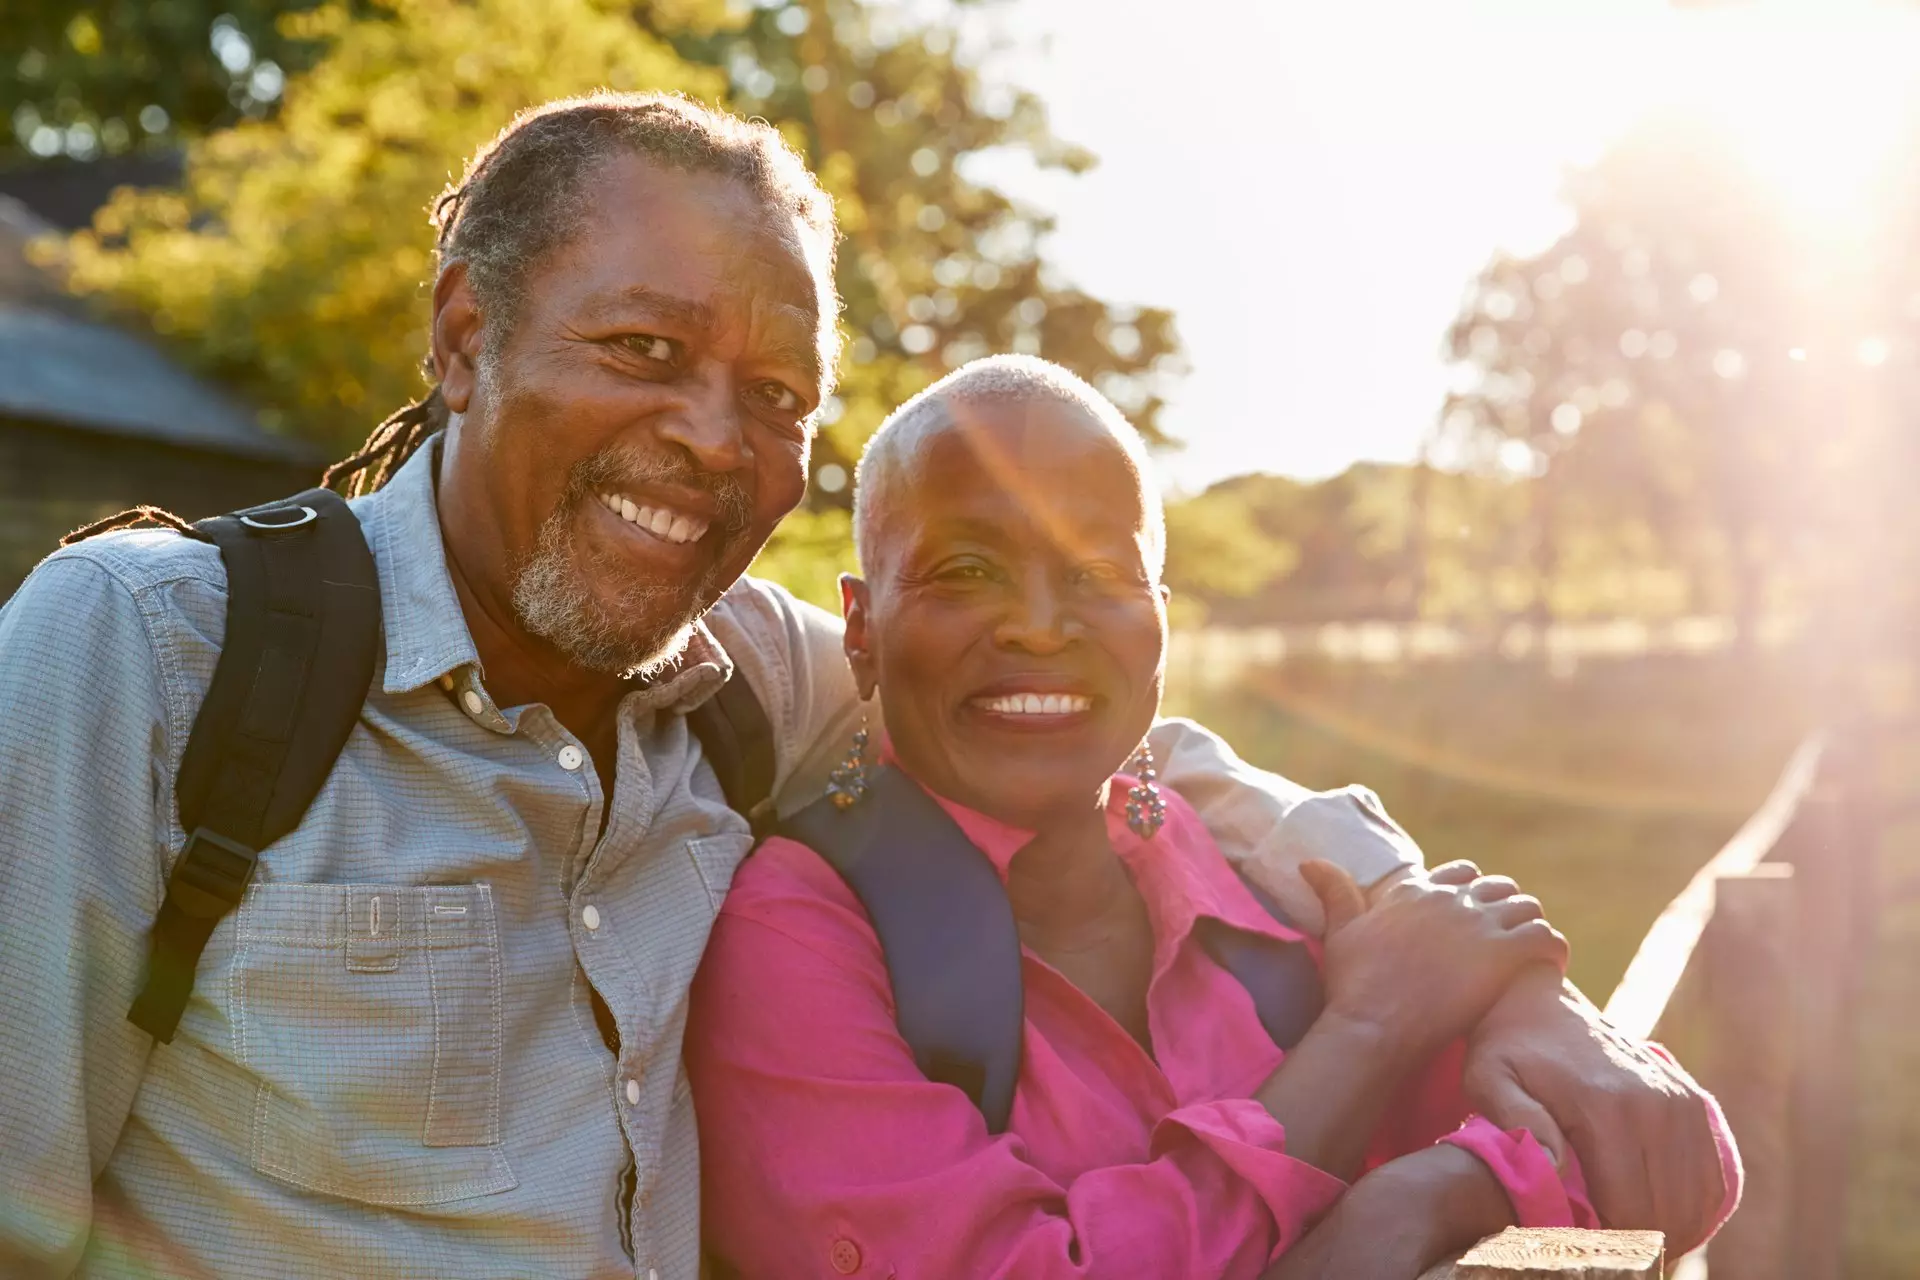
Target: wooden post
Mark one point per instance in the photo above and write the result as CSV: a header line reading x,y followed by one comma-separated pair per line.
x,y
1831,846
1745,1003
1559,1253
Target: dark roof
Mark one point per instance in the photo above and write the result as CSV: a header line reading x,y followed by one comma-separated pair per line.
x,y
59,366
62,369
65,193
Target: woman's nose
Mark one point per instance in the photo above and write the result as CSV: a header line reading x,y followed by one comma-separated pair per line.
x,y
1038,621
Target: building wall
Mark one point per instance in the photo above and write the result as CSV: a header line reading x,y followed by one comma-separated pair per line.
x,y
55,479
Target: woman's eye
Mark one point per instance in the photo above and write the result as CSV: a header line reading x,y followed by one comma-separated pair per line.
x,y
652,347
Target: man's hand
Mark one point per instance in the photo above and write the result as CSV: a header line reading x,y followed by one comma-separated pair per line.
x,y
1543,1059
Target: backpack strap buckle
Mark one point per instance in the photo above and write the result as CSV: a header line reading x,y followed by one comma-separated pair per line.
x,y
207,882
211,875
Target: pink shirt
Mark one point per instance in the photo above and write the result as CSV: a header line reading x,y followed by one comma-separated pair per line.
x,y
826,1153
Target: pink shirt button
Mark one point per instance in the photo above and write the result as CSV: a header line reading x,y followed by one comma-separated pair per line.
x,y
845,1256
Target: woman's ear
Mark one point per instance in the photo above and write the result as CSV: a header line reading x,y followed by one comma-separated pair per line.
x,y
855,607
456,337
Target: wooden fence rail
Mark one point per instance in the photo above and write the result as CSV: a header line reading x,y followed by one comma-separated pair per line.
x,y
1754,967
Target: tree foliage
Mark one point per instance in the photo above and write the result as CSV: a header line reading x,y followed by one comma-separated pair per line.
x,y
1702,372
92,79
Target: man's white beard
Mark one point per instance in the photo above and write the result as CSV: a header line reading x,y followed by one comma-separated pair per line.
x,y
642,634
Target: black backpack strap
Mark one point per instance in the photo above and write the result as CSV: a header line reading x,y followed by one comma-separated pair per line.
x,y
1285,983
952,949
303,633
737,739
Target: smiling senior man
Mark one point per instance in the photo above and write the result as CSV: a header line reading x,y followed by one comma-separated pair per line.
x,y
633,324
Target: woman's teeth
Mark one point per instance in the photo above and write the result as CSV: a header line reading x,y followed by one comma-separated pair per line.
x,y
1035,704
658,521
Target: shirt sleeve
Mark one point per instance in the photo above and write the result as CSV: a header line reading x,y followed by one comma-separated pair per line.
x,y
826,1152
790,652
84,802
1542,1195
1267,826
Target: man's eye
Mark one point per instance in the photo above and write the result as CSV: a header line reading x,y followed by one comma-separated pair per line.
x,y
783,398
652,347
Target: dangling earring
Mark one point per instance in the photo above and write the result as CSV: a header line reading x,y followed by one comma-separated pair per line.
x,y
1146,808
847,784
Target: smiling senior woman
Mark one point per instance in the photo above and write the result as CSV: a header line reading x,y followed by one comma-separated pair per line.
x,y
1013,624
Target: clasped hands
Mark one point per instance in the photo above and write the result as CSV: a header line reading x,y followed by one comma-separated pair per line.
x,y
1453,953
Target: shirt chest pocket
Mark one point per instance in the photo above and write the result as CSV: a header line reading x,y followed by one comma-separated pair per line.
x,y
371,1017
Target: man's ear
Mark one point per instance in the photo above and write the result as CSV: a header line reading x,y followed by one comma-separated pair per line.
x,y
457,337
855,607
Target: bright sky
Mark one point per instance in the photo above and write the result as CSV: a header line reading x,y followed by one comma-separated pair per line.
x,y
1310,184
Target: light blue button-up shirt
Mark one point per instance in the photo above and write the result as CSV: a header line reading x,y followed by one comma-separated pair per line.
x,y
390,1065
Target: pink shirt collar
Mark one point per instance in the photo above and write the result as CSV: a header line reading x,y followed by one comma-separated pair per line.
x,y
1179,889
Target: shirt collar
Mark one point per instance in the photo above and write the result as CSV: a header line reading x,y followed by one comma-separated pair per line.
x,y
426,629
1180,872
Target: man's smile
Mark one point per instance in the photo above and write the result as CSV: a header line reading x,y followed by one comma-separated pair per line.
x,y
665,522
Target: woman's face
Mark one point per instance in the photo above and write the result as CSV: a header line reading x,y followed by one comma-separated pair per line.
x,y
1012,625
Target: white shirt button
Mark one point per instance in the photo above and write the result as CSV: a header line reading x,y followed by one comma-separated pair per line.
x,y
652,1274
633,1093
590,917
571,757
473,702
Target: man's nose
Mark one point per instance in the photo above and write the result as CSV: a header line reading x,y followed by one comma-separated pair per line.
x,y
708,423
1038,619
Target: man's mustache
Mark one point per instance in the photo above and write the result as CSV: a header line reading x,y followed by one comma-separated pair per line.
x,y
618,468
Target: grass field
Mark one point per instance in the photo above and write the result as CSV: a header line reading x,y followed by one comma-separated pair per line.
x,y
1602,792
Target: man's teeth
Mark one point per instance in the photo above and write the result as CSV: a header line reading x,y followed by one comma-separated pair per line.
x,y
1036,704
655,520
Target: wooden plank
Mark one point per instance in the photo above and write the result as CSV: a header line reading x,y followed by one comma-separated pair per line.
x,y
1833,850
1559,1253
1746,1010
1637,1003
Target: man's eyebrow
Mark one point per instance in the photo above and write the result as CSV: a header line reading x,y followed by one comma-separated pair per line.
x,y
789,348
681,311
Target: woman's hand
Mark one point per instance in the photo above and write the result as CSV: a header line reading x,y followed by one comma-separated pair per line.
x,y
1401,1219
1425,962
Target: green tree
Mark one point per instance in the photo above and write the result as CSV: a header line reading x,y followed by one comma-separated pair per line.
x,y
83,80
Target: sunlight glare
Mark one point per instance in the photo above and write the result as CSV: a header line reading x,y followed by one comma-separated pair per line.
x,y
1815,106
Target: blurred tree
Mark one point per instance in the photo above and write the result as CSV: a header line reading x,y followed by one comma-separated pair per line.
x,y
86,80
1218,552
1702,369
